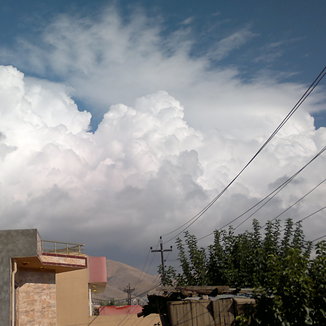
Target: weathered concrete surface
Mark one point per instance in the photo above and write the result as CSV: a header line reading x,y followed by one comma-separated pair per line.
x,y
13,243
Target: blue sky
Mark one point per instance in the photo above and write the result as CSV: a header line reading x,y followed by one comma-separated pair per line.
x,y
287,38
296,28
127,117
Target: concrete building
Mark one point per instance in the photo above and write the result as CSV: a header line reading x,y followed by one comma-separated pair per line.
x,y
46,283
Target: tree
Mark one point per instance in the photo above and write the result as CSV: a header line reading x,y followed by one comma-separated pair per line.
x,y
290,285
216,260
317,272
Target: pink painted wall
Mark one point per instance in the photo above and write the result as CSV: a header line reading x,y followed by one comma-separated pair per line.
x,y
97,269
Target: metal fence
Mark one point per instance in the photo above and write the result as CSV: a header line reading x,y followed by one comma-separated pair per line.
x,y
63,248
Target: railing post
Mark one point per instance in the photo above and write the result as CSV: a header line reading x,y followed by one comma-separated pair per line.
x,y
61,247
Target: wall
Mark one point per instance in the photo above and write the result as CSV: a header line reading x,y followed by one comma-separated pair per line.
x,y
35,298
13,243
205,312
72,298
201,312
97,270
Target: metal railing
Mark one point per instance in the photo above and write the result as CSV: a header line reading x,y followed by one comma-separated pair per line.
x,y
63,248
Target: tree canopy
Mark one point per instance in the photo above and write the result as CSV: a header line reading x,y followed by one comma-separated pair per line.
x,y
288,276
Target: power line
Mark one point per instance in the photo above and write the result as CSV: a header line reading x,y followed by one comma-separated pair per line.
x,y
317,239
300,199
274,218
302,219
192,220
147,264
142,271
317,211
296,202
269,196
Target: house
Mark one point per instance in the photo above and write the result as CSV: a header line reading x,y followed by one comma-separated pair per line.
x,y
46,282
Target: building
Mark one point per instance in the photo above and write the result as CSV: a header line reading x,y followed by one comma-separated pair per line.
x,y
199,305
46,283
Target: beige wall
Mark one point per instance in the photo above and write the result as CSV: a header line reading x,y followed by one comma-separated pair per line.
x,y
35,298
73,304
72,298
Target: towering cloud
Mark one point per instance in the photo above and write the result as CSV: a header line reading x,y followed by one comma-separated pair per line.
x,y
181,132
143,171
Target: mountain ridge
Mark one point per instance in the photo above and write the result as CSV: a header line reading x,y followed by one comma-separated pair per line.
x,y
120,277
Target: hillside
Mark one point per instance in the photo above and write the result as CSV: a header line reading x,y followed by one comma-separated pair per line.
x,y
120,275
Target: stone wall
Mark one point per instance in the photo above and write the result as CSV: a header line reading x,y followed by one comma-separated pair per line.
x,y
35,298
64,260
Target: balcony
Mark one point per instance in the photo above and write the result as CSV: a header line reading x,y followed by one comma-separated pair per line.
x,y
62,255
55,256
62,248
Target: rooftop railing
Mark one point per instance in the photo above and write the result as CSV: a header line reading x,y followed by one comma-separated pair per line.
x,y
63,248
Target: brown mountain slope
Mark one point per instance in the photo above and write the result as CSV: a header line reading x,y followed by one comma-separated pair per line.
x,y
120,275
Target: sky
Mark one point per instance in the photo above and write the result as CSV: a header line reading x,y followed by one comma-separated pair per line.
x,y
120,120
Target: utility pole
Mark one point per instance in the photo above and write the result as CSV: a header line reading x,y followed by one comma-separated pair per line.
x,y
161,250
129,290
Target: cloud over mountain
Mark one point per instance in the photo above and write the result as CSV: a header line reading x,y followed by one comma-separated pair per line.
x,y
175,131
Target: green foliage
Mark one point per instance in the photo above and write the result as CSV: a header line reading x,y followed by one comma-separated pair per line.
x,y
193,262
284,299
317,272
169,277
216,260
290,286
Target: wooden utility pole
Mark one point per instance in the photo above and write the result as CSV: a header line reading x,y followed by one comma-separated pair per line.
x,y
129,290
161,250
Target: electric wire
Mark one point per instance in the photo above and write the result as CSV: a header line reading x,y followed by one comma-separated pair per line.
x,y
300,199
308,216
296,202
292,111
265,200
300,220
199,214
317,239
247,218
144,266
192,220
148,263
317,211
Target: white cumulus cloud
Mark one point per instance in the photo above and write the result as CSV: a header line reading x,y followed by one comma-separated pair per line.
x,y
175,131
142,172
